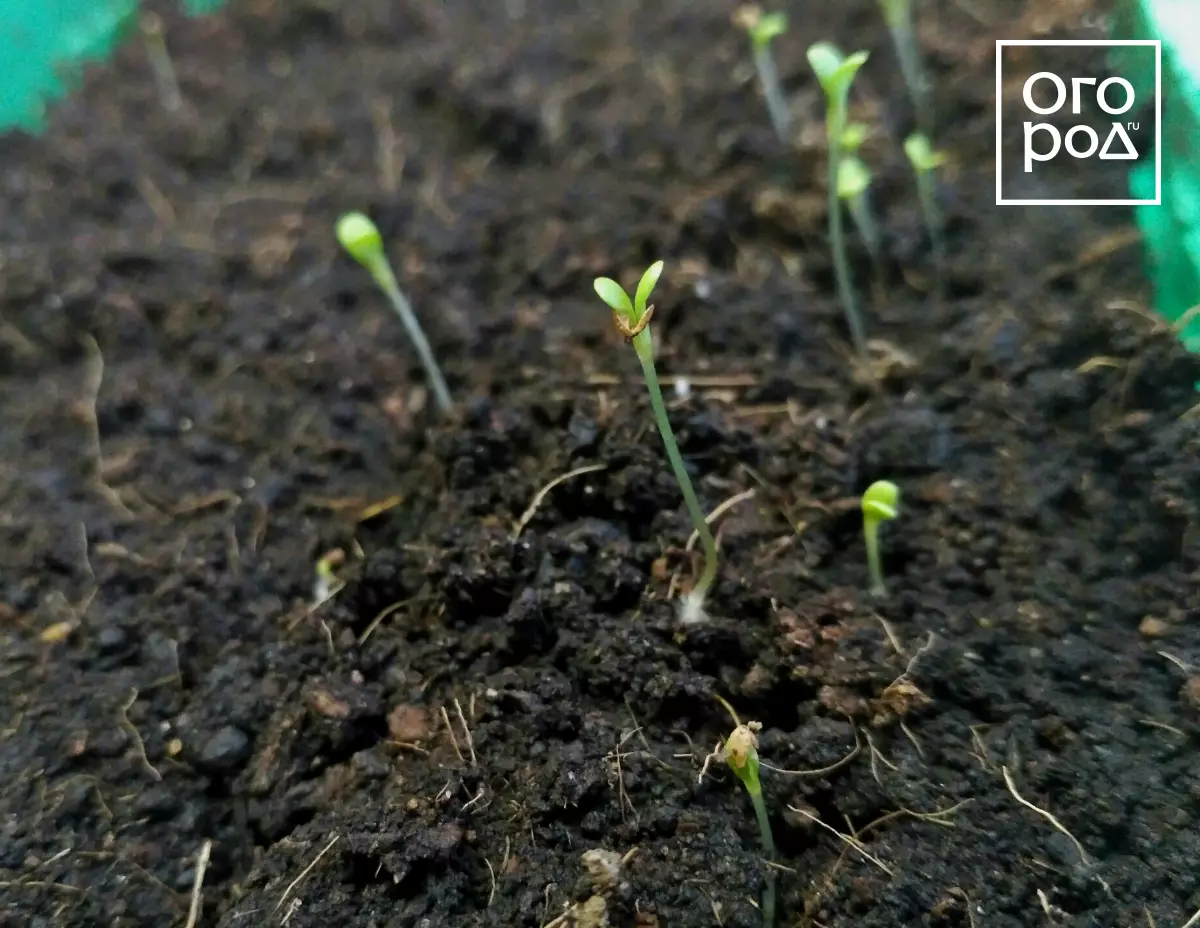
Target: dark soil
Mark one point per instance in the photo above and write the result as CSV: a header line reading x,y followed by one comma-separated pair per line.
x,y
165,679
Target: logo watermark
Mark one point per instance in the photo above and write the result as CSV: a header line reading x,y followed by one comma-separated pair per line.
x,y
1060,114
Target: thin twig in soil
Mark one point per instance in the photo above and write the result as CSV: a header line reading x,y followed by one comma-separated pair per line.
x,y
709,519
637,727
876,756
1192,922
491,881
719,511
87,411
890,634
389,165
450,731
466,731
198,884
139,744
1181,664
623,800
1008,781
540,496
1150,723
913,738
821,771
848,839
42,884
981,752
165,81
305,872
383,614
716,906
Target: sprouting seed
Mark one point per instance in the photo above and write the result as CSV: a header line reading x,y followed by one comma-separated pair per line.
x,y
360,237
880,503
632,319
854,185
925,162
836,72
899,17
762,28
740,753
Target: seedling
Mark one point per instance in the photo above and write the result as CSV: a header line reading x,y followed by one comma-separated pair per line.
x,y
854,184
632,319
836,72
899,17
740,754
853,137
762,28
880,503
362,241
925,162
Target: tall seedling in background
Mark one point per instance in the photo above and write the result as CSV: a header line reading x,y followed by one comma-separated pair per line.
x,y
899,17
925,162
362,241
762,29
632,319
854,186
836,74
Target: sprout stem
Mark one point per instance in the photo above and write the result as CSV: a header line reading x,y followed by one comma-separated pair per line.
x,y
386,280
841,263
899,17
836,72
925,162
632,319
762,28
874,564
933,220
768,76
768,843
645,353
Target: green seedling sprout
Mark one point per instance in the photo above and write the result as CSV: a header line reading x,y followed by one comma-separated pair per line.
x,y
360,237
762,28
925,162
899,17
740,754
880,503
836,72
854,183
853,137
632,319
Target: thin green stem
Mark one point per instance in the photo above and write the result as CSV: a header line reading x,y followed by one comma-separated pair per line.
x,y
645,353
874,564
933,221
777,108
754,788
837,237
386,279
911,69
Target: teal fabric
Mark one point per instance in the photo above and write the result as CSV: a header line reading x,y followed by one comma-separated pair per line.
x,y
1172,230
44,43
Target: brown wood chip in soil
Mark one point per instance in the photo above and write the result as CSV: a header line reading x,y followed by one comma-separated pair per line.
x,y
165,679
